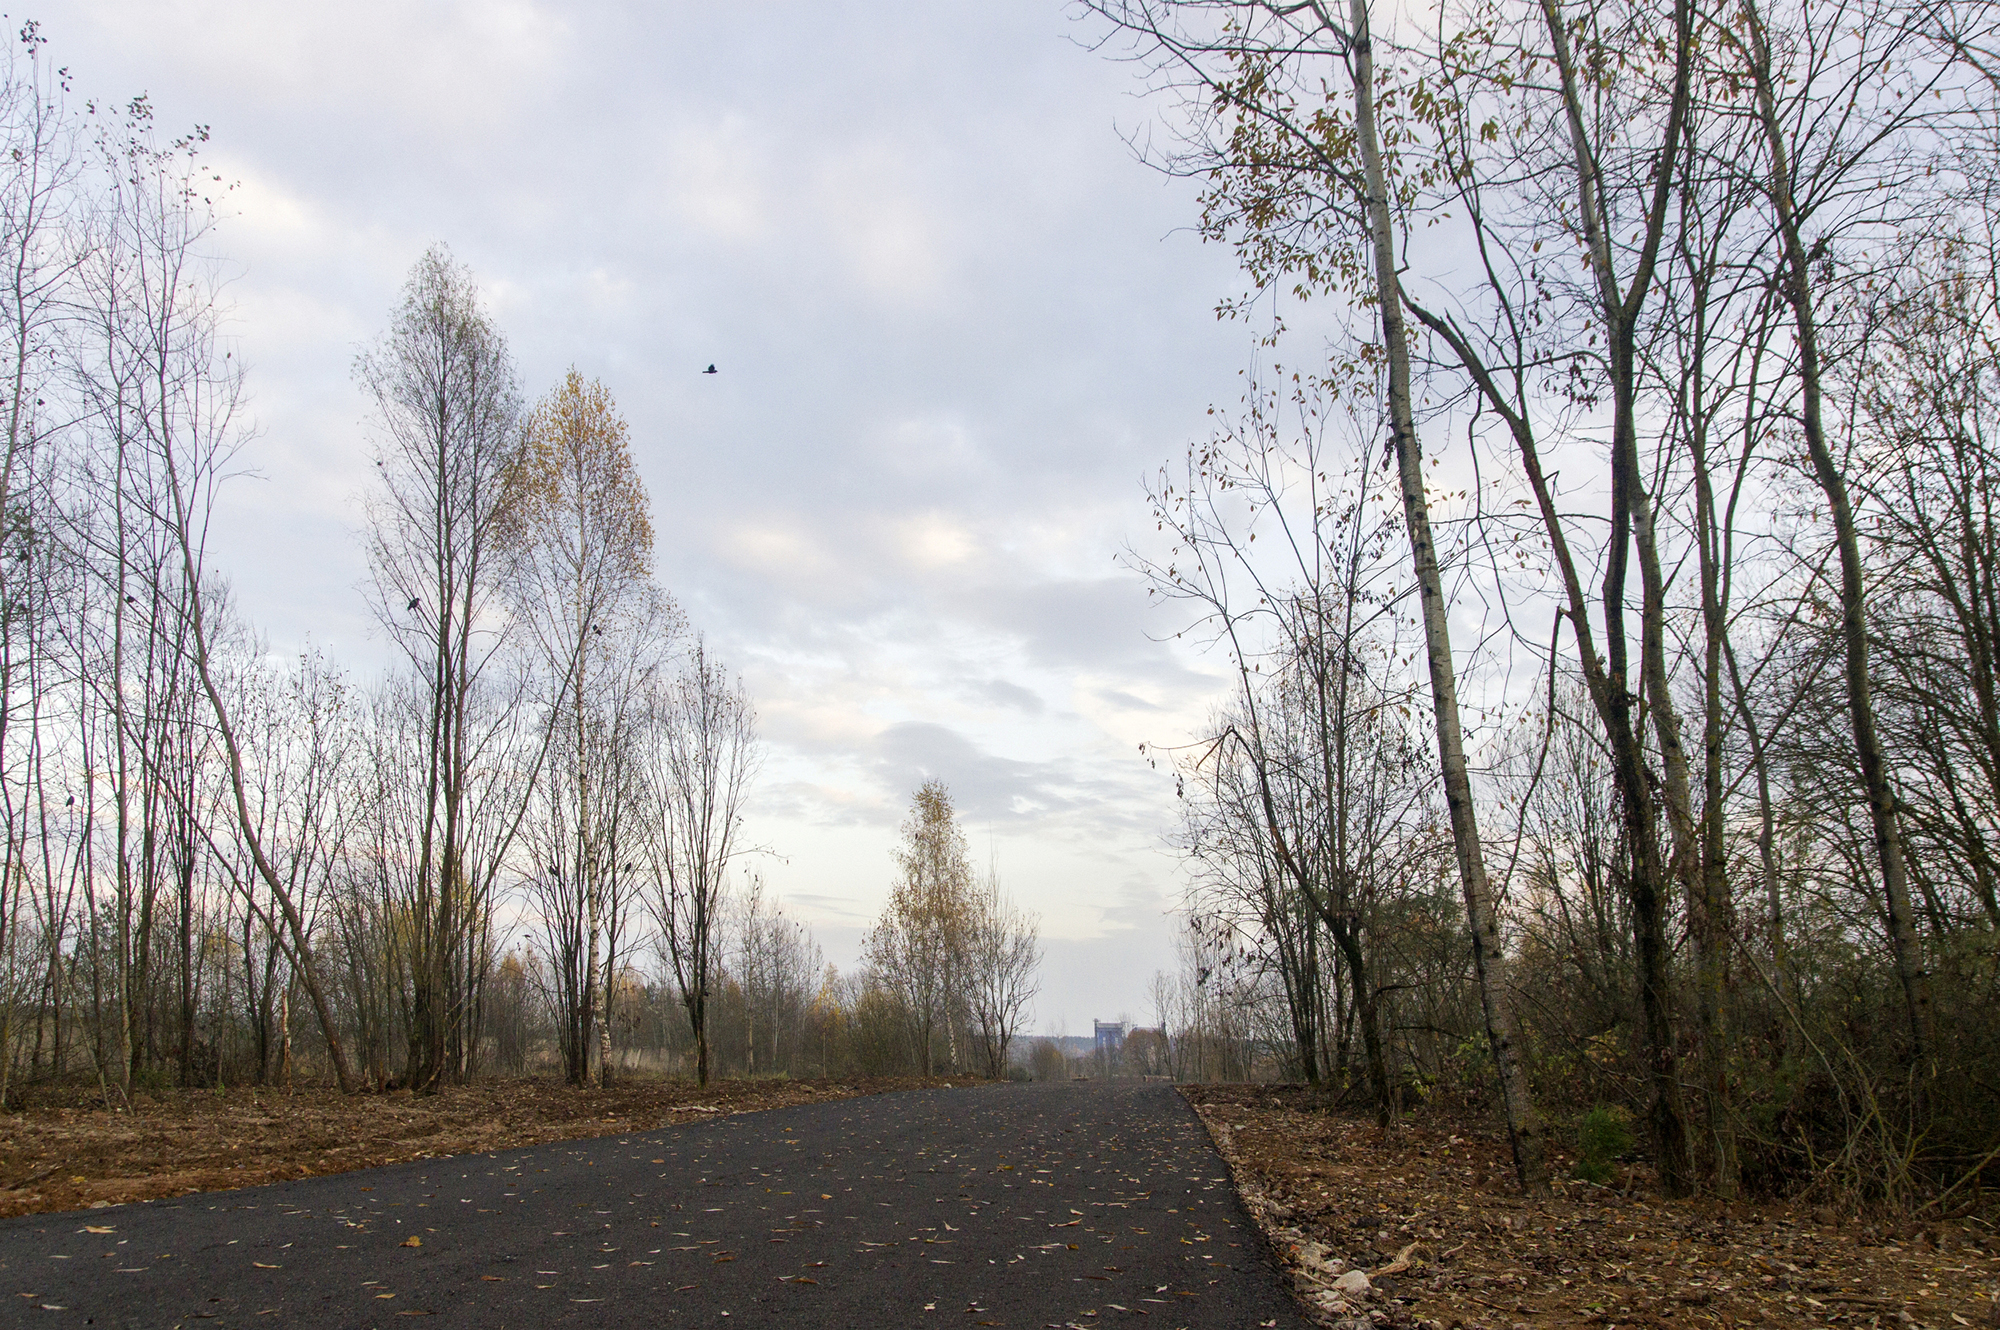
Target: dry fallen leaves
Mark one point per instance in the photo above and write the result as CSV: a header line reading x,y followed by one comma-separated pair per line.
x,y
1421,1229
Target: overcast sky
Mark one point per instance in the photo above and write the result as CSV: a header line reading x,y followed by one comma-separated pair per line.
x,y
955,322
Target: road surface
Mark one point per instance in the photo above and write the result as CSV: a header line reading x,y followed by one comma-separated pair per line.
x,y
1085,1205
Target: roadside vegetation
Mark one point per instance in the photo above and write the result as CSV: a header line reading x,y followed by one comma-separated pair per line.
x,y
1605,546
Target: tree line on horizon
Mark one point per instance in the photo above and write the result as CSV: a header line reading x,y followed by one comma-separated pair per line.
x,y
1606,549
520,849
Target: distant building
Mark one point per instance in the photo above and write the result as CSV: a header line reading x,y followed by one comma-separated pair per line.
x,y
1120,1048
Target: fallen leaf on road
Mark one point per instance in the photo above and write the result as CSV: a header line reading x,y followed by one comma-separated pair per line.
x,y
97,1228
413,1241
261,1266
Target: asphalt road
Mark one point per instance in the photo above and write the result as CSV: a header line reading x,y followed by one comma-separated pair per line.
x,y
1084,1205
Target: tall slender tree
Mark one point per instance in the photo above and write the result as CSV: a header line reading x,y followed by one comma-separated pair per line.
x,y
700,757
922,944
447,415
1280,152
581,541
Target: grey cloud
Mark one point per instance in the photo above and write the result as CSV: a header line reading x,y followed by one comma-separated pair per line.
x,y
985,788
816,903
1130,701
1101,623
1002,693
1080,796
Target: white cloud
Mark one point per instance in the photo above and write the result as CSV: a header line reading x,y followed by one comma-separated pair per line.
x,y
444,70
883,224
716,175
933,541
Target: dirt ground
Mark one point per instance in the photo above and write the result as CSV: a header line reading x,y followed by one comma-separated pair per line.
x,y
69,1156
1438,1202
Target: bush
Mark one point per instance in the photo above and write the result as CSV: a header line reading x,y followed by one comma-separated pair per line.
x,y
1602,1136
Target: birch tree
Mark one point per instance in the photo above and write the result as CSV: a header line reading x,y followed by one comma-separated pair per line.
x,y
580,538
1305,190
921,945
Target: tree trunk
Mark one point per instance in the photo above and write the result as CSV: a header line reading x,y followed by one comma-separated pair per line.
x,y
1524,1124
1797,287
587,1041
604,1011
1711,916
184,873
1632,524
1366,1012
698,1016
301,940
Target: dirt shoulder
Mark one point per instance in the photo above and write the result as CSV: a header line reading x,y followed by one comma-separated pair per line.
x,y
72,1156
1335,1196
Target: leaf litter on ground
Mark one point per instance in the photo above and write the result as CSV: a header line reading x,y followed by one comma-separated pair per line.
x,y
1422,1228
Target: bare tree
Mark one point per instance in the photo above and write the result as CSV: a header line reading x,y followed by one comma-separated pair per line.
x,y
701,754
447,413
1005,957
1929,394
38,254
168,395
1837,176
779,968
